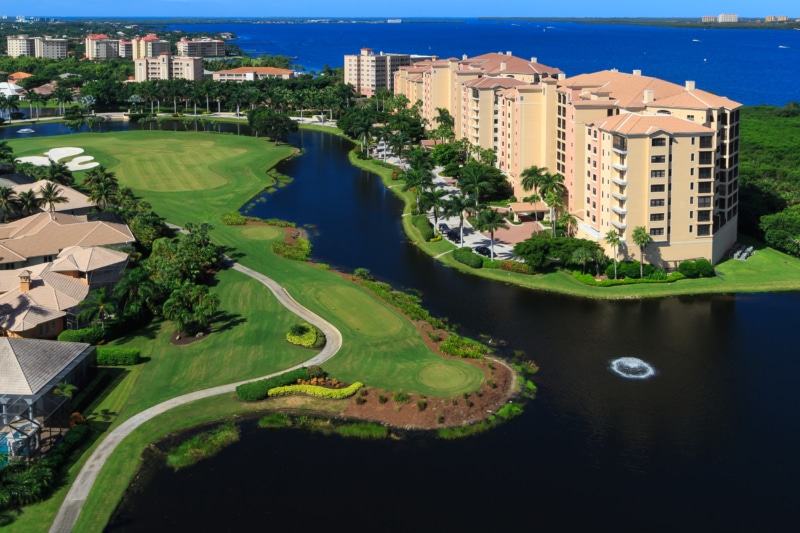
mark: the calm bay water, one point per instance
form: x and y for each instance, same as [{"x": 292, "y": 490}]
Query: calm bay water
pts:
[
  {"x": 748, "y": 66},
  {"x": 708, "y": 443}
]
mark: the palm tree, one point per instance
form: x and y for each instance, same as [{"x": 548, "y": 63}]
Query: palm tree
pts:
[
  {"x": 65, "y": 389},
  {"x": 455, "y": 206},
  {"x": 51, "y": 195},
  {"x": 98, "y": 305},
  {"x": 491, "y": 220},
  {"x": 445, "y": 122},
  {"x": 6, "y": 152},
  {"x": 642, "y": 238},
  {"x": 8, "y": 201},
  {"x": 58, "y": 172},
  {"x": 473, "y": 180},
  {"x": 532, "y": 178},
  {"x": 28, "y": 201},
  {"x": 63, "y": 96},
  {"x": 434, "y": 199},
  {"x": 553, "y": 201},
  {"x": 613, "y": 240},
  {"x": 419, "y": 180},
  {"x": 88, "y": 102},
  {"x": 582, "y": 255},
  {"x": 103, "y": 193},
  {"x": 36, "y": 100},
  {"x": 9, "y": 104},
  {"x": 99, "y": 175},
  {"x": 134, "y": 291}
]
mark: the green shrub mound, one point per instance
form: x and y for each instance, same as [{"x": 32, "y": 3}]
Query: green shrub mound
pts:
[
  {"x": 468, "y": 257},
  {"x": 234, "y": 219},
  {"x": 87, "y": 335},
  {"x": 315, "y": 391},
  {"x": 305, "y": 335},
  {"x": 515, "y": 266},
  {"x": 258, "y": 390},
  {"x": 301, "y": 251},
  {"x": 113, "y": 356},
  {"x": 424, "y": 226},
  {"x": 275, "y": 420},
  {"x": 464, "y": 347},
  {"x": 702, "y": 268}
]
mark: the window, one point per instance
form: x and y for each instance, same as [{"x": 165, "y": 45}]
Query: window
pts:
[
  {"x": 689, "y": 117},
  {"x": 704, "y": 187},
  {"x": 588, "y": 187},
  {"x": 690, "y": 228},
  {"x": 703, "y": 201},
  {"x": 658, "y": 141},
  {"x": 657, "y": 188},
  {"x": 656, "y": 217},
  {"x": 704, "y": 216},
  {"x": 656, "y": 231},
  {"x": 657, "y": 173},
  {"x": 658, "y": 159},
  {"x": 656, "y": 203},
  {"x": 704, "y": 229}
]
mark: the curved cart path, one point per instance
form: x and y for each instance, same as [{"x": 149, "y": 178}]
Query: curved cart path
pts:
[{"x": 79, "y": 492}]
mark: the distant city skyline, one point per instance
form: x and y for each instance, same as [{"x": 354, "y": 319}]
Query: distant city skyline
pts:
[{"x": 410, "y": 8}]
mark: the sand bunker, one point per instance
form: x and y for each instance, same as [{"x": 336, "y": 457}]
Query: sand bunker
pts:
[{"x": 57, "y": 154}]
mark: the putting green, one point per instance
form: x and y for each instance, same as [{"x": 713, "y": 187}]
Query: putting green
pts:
[
  {"x": 347, "y": 303},
  {"x": 261, "y": 233},
  {"x": 446, "y": 377}
]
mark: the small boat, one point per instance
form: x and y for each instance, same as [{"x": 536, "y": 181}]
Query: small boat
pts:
[
  {"x": 781, "y": 46},
  {"x": 26, "y": 130},
  {"x": 695, "y": 40}
]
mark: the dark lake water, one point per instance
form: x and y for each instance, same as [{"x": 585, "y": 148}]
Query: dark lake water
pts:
[
  {"x": 734, "y": 63},
  {"x": 709, "y": 443}
]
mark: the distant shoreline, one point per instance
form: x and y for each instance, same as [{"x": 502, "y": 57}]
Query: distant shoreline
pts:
[{"x": 743, "y": 24}]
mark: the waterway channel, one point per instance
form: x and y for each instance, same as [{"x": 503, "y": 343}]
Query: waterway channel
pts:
[{"x": 707, "y": 443}]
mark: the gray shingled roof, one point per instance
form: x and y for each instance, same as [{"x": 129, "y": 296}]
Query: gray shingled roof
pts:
[{"x": 28, "y": 365}]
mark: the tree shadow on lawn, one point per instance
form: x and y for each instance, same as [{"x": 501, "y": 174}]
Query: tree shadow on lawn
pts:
[{"x": 224, "y": 321}]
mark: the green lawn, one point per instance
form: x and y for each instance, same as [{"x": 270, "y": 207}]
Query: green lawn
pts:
[{"x": 381, "y": 348}]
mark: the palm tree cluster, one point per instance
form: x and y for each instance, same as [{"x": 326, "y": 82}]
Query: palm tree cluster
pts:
[
  {"x": 547, "y": 187},
  {"x": 26, "y": 202}
]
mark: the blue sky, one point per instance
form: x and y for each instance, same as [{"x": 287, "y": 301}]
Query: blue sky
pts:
[{"x": 405, "y": 8}]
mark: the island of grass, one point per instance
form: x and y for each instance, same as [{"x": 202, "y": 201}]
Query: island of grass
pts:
[{"x": 195, "y": 177}]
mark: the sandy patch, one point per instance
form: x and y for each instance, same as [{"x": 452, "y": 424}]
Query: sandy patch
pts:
[
  {"x": 82, "y": 163},
  {"x": 60, "y": 153},
  {"x": 37, "y": 160}
]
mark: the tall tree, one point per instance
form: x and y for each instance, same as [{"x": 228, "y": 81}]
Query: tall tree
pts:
[
  {"x": 29, "y": 201},
  {"x": 474, "y": 180},
  {"x": 98, "y": 305},
  {"x": 491, "y": 220},
  {"x": 641, "y": 238},
  {"x": 9, "y": 202},
  {"x": 455, "y": 207},
  {"x": 434, "y": 199},
  {"x": 51, "y": 194},
  {"x": 58, "y": 172},
  {"x": 6, "y": 152},
  {"x": 613, "y": 240},
  {"x": 191, "y": 307},
  {"x": 418, "y": 179}
]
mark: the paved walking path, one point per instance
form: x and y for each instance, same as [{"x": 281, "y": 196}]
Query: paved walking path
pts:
[{"x": 79, "y": 492}]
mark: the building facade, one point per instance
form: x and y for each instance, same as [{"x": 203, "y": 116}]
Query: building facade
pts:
[
  {"x": 167, "y": 67},
  {"x": 728, "y": 17},
  {"x": 45, "y": 47},
  {"x": 369, "y": 72},
  {"x": 202, "y": 47},
  {"x": 148, "y": 46},
  {"x": 100, "y": 47},
  {"x": 252, "y": 73}
]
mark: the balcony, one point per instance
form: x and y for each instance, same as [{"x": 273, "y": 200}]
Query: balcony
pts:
[
  {"x": 620, "y": 181},
  {"x": 620, "y": 197},
  {"x": 620, "y": 167},
  {"x": 619, "y": 210},
  {"x": 619, "y": 225}
]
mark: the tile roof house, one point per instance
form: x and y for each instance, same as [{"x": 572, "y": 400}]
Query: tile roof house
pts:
[
  {"x": 77, "y": 203},
  {"x": 41, "y": 238},
  {"x": 29, "y": 371}
]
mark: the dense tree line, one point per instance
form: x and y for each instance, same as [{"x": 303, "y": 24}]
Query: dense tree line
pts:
[{"x": 769, "y": 182}]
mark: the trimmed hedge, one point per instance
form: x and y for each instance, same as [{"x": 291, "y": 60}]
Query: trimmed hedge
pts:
[
  {"x": 258, "y": 390},
  {"x": 424, "y": 226},
  {"x": 113, "y": 356},
  {"x": 87, "y": 335},
  {"x": 588, "y": 279},
  {"x": 464, "y": 347},
  {"x": 317, "y": 392},
  {"x": 468, "y": 257},
  {"x": 702, "y": 268}
]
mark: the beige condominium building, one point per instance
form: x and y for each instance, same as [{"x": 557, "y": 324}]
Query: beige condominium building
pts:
[
  {"x": 368, "y": 72},
  {"x": 201, "y": 47},
  {"x": 148, "y": 46},
  {"x": 45, "y": 47},
  {"x": 640, "y": 151},
  {"x": 99, "y": 46},
  {"x": 167, "y": 67},
  {"x": 252, "y": 74}
]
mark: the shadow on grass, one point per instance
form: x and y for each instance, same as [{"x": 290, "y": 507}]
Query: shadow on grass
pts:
[
  {"x": 150, "y": 331},
  {"x": 224, "y": 321},
  {"x": 115, "y": 376}
]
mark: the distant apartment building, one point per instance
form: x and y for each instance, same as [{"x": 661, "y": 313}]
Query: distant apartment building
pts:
[
  {"x": 368, "y": 72},
  {"x": 640, "y": 151},
  {"x": 44, "y": 47},
  {"x": 149, "y": 46},
  {"x": 252, "y": 74},
  {"x": 709, "y": 18},
  {"x": 126, "y": 49},
  {"x": 100, "y": 47},
  {"x": 201, "y": 47},
  {"x": 168, "y": 67},
  {"x": 770, "y": 18},
  {"x": 783, "y": 18},
  {"x": 727, "y": 17}
]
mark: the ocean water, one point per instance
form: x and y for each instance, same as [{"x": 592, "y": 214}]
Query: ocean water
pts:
[{"x": 750, "y": 66}]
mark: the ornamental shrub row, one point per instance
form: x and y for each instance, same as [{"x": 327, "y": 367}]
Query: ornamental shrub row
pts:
[
  {"x": 408, "y": 304},
  {"x": 317, "y": 392},
  {"x": 113, "y": 356},
  {"x": 516, "y": 267},
  {"x": 87, "y": 335},
  {"x": 588, "y": 279},
  {"x": 464, "y": 347},
  {"x": 702, "y": 268},
  {"x": 258, "y": 390},
  {"x": 424, "y": 226},
  {"x": 301, "y": 251},
  {"x": 468, "y": 257}
]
